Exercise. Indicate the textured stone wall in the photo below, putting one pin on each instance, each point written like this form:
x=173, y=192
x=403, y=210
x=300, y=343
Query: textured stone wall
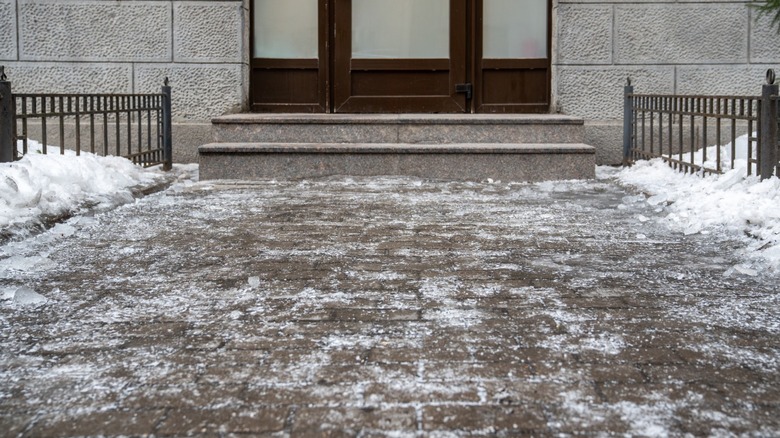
x=113, y=46
x=665, y=46
x=120, y=46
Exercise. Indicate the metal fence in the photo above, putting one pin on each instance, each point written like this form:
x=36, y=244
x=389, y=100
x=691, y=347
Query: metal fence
x=691, y=132
x=134, y=126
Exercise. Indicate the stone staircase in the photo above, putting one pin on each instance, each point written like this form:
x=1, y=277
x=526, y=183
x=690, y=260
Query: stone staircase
x=473, y=147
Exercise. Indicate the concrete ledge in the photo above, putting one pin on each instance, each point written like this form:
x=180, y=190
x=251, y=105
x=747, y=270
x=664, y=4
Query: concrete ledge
x=472, y=162
x=393, y=148
x=399, y=119
x=397, y=128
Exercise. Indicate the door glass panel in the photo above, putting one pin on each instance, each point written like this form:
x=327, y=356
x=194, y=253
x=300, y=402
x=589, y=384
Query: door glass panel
x=400, y=28
x=285, y=29
x=515, y=29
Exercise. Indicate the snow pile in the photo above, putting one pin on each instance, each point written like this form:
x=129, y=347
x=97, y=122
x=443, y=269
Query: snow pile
x=40, y=187
x=742, y=206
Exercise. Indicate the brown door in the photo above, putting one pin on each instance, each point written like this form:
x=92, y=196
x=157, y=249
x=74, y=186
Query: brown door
x=400, y=56
x=512, y=56
x=289, y=62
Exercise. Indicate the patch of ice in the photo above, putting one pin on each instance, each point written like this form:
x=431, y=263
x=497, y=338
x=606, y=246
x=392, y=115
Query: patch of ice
x=606, y=343
x=25, y=264
x=24, y=296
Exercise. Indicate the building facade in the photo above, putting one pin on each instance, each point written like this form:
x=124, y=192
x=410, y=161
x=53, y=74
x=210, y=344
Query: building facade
x=378, y=56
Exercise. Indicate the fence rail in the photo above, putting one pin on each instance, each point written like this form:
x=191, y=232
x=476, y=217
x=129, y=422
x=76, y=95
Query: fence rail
x=688, y=131
x=134, y=126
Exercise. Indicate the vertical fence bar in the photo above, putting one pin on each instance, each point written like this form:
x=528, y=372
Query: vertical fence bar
x=751, y=140
x=660, y=106
x=718, y=137
x=7, y=120
x=670, y=107
x=104, y=102
x=118, y=124
x=767, y=136
x=643, y=105
x=651, y=103
x=78, y=125
x=628, y=116
x=44, y=129
x=62, y=124
x=707, y=110
x=167, y=129
x=24, y=125
x=148, y=103
x=129, y=111
x=91, y=122
x=693, y=109
x=733, y=131
x=139, y=131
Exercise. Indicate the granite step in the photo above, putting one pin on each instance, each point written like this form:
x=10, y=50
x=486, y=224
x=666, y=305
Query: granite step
x=453, y=161
x=398, y=128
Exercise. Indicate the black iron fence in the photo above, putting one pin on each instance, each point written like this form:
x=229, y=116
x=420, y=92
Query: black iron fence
x=134, y=126
x=700, y=133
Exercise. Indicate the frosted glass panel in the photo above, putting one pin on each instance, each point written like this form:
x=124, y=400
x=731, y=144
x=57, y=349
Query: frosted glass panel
x=285, y=29
x=515, y=29
x=400, y=28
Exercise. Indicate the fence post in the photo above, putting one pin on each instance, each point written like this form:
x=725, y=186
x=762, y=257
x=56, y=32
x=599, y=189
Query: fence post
x=768, y=135
x=7, y=122
x=628, y=118
x=167, y=129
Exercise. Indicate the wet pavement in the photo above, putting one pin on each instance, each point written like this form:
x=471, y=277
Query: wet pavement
x=376, y=307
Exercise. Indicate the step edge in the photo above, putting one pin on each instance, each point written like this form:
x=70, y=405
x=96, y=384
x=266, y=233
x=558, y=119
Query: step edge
x=404, y=148
x=392, y=119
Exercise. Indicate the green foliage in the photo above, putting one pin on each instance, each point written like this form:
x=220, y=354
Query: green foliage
x=770, y=8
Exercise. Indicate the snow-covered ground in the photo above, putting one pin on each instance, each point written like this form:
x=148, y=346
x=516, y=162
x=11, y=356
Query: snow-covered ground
x=40, y=188
x=742, y=206
x=573, y=307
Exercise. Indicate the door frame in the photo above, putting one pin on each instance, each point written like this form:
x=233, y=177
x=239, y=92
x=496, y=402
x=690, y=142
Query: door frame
x=333, y=88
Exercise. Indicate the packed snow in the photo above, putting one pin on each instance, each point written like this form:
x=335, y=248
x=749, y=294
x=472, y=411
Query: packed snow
x=742, y=206
x=457, y=302
x=41, y=188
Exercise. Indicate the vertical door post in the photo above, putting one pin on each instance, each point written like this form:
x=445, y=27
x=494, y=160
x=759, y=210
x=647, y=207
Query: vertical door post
x=7, y=120
x=768, y=135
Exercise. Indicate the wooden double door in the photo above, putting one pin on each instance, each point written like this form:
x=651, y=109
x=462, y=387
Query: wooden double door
x=400, y=56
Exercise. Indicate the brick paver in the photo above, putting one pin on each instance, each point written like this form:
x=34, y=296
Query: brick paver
x=376, y=307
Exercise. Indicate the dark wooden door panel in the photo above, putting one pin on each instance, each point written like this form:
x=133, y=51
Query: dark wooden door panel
x=293, y=85
x=510, y=85
x=398, y=85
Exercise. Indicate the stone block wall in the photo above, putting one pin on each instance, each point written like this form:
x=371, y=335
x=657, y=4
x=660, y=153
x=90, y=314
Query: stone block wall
x=665, y=46
x=112, y=46
x=125, y=46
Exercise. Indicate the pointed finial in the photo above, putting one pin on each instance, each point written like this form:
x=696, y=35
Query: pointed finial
x=165, y=82
x=770, y=77
x=3, y=77
x=628, y=81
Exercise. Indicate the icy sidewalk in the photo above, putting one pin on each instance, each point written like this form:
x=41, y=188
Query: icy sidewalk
x=385, y=307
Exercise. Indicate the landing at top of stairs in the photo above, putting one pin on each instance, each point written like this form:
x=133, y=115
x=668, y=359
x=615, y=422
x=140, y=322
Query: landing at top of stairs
x=400, y=119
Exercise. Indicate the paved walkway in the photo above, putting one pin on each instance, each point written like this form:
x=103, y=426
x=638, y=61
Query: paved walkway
x=385, y=307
